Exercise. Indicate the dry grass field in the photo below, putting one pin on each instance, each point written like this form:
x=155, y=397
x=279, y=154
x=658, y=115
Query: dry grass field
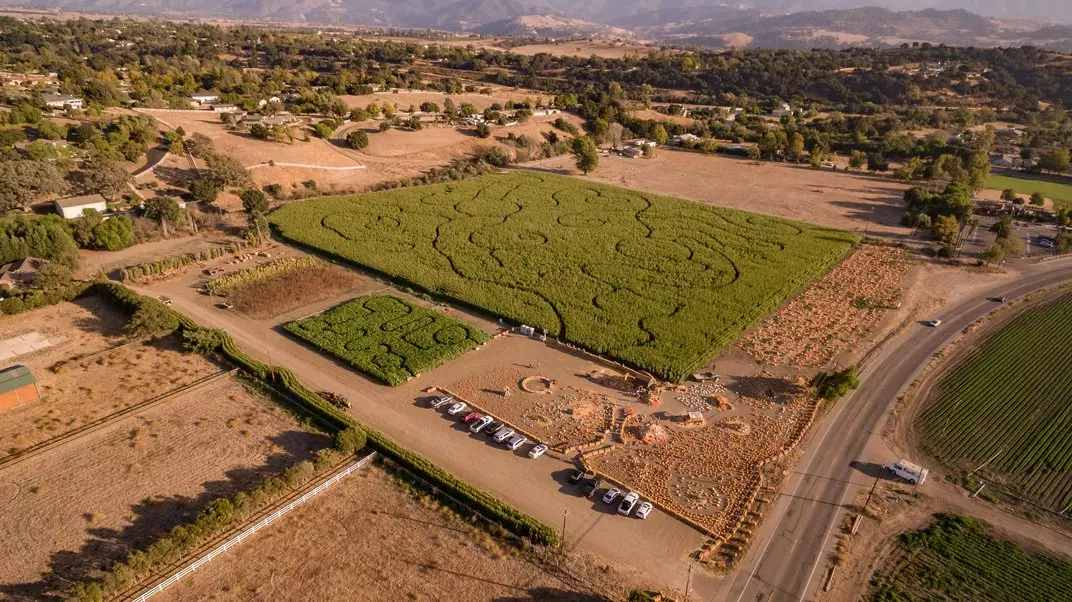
x=368, y=539
x=586, y=48
x=74, y=509
x=837, y=199
x=79, y=393
x=403, y=99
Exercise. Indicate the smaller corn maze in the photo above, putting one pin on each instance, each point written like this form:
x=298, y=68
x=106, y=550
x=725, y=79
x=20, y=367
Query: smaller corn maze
x=226, y=284
x=955, y=559
x=1007, y=407
x=387, y=337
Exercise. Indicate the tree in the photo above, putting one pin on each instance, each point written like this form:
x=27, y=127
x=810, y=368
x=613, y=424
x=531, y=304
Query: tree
x=227, y=170
x=1003, y=227
x=82, y=227
x=384, y=126
x=995, y=253
x=254, y=200
x=794, y=148
x=615, y=134
x=1009, y=195
x=164, y=210
x=1055, y=160
x=201, y=340
x=350, y=440
x=357, y=139
x=204, y=190
x=26, y=182
x=200, y=145
x=107, y=177
x=429, y=107
x=1037, y=199
x=815, y=158
x=659, y=135
x=876, y=163
x=256, y=227
x=323, y=129
x=483, y=130
x=113, y=234
x=585, y=154
x=755, y=154
x=978, y=169
x=947, y=231
x=414, y=123
x=53, y=275
x=912, y=169
x=857, y=160
x=152, y=319
x=834, y=385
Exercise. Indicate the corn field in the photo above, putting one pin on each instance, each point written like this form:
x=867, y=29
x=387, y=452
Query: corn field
x=659, y=283
x=1009, y=406
x=225, y=285
x=387, y=337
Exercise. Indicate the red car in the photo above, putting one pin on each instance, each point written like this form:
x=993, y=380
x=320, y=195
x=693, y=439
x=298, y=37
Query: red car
x=471, y=417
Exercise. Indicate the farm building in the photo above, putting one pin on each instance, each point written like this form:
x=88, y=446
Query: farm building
x=17, y=387
x=59, y=101
x=21, y=272
x=72, y=207
x=204, y=98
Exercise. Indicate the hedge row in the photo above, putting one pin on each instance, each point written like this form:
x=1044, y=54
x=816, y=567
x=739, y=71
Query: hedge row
x=160, y=266
x=17, y=303
x=216, y=518
x=332, y=419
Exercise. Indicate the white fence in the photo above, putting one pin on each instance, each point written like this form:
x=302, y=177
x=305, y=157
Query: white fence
x=264, y=522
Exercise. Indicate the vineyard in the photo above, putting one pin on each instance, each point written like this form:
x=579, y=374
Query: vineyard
x=660, y=283
x=1007, y=406
x=387, y=337
x=955, y=559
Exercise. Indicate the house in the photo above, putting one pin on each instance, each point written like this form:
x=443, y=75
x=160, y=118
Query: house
x=72, y=207
x=629, y=152
x=782, y=110
x=17, y=387
x=204, y=98
x=684, y=139
x=731, y=114
x=59, y=101
x=226, y=109
x=21, y=272
x=641, y=143
x=264, y=101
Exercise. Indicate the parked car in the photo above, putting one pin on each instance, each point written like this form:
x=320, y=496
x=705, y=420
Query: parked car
x=644, y=510
x=578, y=476
x=439, y=402
x=590, y=488
x=515, y=442
x=1045, y=243
x=611, y=495
x=538, y=451
x=479, y=425
x=457, y=408
x=494, y=427
x=913, y=473
x=471, y=417
x=626, y=506
x=933, y=323
x=503, y=435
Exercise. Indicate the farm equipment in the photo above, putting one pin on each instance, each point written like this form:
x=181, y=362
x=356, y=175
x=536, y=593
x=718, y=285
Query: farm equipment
x=335, y=399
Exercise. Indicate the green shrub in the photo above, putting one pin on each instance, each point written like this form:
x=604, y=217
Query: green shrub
x=834, y=385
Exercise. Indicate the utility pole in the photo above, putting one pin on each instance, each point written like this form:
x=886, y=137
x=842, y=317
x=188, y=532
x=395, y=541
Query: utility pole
x=688, y=580
x=565, y=512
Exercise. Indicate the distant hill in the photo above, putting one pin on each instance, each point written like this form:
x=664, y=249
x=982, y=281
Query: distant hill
x=766, y=23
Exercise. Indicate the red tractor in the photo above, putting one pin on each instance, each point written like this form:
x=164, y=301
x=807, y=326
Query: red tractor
x=335, y=399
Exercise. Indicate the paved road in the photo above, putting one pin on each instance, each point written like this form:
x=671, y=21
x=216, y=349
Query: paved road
x=792, y=550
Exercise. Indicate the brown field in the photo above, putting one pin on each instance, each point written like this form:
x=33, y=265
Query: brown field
x=657, y=116
x=78, y=394
x=73, y=510
x=368, y=539
x=285, y=292
x=403, y=98
x=837, y=199
x=586, y=48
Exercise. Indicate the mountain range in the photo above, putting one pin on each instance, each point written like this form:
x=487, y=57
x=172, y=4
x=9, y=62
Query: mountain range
x=713, y=23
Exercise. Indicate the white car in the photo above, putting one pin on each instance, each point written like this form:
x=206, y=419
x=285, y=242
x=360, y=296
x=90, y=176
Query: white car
x=516, y=442
x=538, y=451
x=626, y=506
x=503, y=435
x=644, y=510
x=441, y=401
x=479, y=425
x=457, y=408
x=611, y=495
x=1046, y=243
x=933, y=323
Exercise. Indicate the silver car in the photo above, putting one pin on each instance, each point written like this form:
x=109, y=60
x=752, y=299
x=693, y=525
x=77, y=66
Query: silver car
x=516, y=442
x=503, y=435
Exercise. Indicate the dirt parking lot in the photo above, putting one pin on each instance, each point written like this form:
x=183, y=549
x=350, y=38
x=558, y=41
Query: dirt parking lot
x=73, y=510
x=74, y=393
x=837, y=199
x=368, y=535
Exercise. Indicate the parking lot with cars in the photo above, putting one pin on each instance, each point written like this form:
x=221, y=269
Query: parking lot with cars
x=498, y=432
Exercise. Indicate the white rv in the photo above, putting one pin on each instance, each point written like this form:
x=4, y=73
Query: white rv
x=908, y=471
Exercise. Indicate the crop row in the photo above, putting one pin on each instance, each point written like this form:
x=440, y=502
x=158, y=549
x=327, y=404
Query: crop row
x=160, y=266
x=956, y=559
x=660, y=283
x=1007, y=404
x=229, y=283
x=388, y=337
